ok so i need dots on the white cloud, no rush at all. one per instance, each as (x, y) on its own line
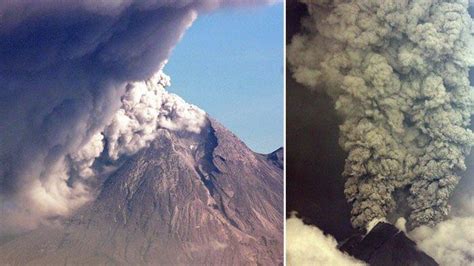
(307, 245)
(450, 243)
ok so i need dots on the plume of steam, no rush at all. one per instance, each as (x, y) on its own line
(71, 88)
(147, 106)
(450, 242)
(307, 245)
(398, 73)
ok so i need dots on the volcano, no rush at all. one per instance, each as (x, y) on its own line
(386, 245)
(189, 198)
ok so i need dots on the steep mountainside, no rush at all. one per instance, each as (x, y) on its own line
(385, 245)
(189, 198)
(277, 157)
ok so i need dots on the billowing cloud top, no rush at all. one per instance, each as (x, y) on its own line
(71, 77)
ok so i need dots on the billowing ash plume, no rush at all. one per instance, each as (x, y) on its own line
(145, 107)
(72, 91)
(398, 73)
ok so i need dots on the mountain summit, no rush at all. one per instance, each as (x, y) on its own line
(200, 198)
(386, 245)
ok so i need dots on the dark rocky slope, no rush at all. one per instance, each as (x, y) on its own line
(277, 157)
(385, 245)
(187, 199)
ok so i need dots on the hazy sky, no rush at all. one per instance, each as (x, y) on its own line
(230, 63)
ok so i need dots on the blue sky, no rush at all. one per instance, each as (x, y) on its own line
(230, 63)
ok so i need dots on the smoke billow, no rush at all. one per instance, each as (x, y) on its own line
(146, 107)
(307, 245)
(78, 82)
(398, 73)
(450, 242)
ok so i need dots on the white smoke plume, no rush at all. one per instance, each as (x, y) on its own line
(308, 245)
(398, 73)
(146, 107)
(77, 84)
(450, 243)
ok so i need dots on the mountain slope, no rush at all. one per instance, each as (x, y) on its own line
(188, 198)
(277, 157)
(385, 245)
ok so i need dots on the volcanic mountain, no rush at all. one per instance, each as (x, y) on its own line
(186, 199)
(386, 245)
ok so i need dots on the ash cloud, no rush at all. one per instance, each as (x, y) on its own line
(80, 80)
(398, 72)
